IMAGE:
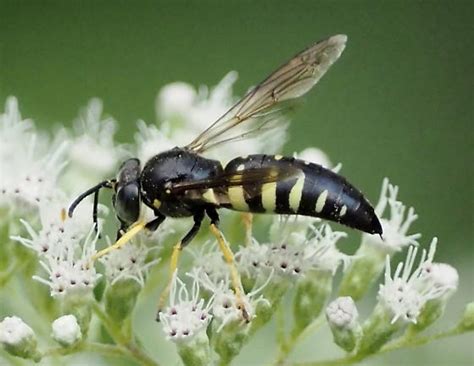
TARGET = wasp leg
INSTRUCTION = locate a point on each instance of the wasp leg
(229, 258)
(94, 211)
(122, 230)
(247, 219)
(124, 239)
(156, 222)
(198, 217)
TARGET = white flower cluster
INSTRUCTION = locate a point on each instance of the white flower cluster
(128, 262)
(406, 291)
(29, 167)
(71, 272)
(313, 249)
(92, 152)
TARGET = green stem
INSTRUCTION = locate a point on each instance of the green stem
(112, 328)
(280, 323)
(123, 341)
(287, 347)
(402, 342)
(411, 341)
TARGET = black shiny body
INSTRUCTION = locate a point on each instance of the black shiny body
(339, 200)
(164, 170)
(314, 191)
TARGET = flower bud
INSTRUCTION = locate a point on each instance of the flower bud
(18, 339)
(175, 100)
(80, 308)
(228, 340)
(377, 330)
(196, 352)
(467, 321)
(342, 317)
(366, 266)
(66, 330)
(312, 292)
(121, 297)
(444, 278)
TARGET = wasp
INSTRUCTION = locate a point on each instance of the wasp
(182, 182)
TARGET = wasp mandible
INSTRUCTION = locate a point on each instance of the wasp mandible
(183, 183)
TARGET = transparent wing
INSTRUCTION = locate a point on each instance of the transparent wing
(240, 178)
(261, 109)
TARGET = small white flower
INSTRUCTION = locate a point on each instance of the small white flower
(321, 250)
(287, 260)
(187, 314)
(14, 331)
(441, 276)
(226, 305)
(306, 249)
(150, 140)
(342, 312)
(57, 230)
(210, 261)
(128, 262)
(94, 149)
(252, 259)
(316, 156)
(15, 133)
(70, 270)
(32, 179)
(405, 293)
(175, 100)
(66, 330)
(395, 228)
(29, 163)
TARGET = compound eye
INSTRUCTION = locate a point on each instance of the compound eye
(127, 203)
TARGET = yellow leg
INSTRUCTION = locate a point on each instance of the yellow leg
(134, 230)
(234, 273)
(247, 218)
(173, 265)
(63, 215)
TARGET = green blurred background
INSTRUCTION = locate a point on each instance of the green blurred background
(398, 103)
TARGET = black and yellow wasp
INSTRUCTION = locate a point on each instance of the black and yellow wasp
(183, 183)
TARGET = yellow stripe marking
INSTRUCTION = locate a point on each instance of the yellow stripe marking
(269, 196)
(156, 203)
(278, 157)
(321, 201)
(237, 198)
(296, 193)
(210, 196)
(343, 211)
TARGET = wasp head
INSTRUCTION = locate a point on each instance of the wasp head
(126, 199)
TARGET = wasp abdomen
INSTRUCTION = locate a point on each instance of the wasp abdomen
(312, 191)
